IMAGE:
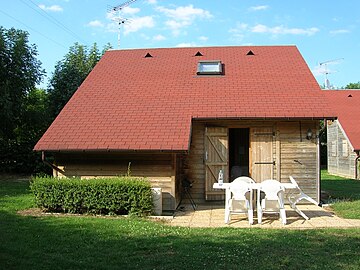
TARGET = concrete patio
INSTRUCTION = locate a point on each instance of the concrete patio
(207, 215)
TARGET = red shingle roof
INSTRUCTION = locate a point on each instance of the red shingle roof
(346, 105)
(130, 101)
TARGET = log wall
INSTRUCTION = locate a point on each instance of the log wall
(160, 169)
(293, 155)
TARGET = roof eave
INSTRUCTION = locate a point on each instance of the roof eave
(144, 151)
(282, 118)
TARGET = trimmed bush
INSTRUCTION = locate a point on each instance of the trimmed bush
(120, 195)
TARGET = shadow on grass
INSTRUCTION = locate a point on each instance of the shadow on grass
(342, 189)
(96, 243)
(93, 243)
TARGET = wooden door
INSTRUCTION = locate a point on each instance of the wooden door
(216, 159)
(261, 160)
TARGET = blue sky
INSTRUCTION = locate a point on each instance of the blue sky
(322, 30)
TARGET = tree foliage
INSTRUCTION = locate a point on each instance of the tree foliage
(23, 113)
(70, 72)
(20, 71)
(353, 85)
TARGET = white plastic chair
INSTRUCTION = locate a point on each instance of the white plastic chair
(238, 200)
(245, 179)
(296, 196)
(273, 201)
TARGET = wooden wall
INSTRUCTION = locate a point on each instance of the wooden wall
(194, 163)
(293, 154)
(159, 168)
(299, 157)
(341, 157)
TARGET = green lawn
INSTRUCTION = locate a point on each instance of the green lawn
(121, 243)
(344, 194)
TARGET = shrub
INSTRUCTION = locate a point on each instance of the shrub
(121, 195)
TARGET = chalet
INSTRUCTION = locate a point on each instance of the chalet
(343, 134)
(186, 113)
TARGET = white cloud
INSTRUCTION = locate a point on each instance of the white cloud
(339, 31)
(132, 24)
(152, 2)
(110, 15)
(175, 26)
(257, 8)
(238, 33)
(281, 30)
(187, 44)
(203, 38)
(54, 8)
(183, 16)
(240, 27)
(130, 10)
(318, 70)
(186, 13)
(112, 27)
(138, 23)
(95, 23)
(159, 38)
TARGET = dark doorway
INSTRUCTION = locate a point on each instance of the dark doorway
(238, 152)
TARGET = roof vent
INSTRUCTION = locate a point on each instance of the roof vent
(349, 95)
(198, 54)
(148, 55)
(250, 53)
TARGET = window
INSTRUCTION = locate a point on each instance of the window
(345, 149)
(213, 67)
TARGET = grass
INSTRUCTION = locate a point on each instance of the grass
(344, 195)
(121, 243)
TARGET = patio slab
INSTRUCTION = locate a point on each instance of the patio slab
(211, 216)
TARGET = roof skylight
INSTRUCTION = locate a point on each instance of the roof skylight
(212, 67)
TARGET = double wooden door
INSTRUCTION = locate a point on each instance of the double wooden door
(262, 162)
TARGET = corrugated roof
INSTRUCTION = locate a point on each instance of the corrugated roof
(346, 105)
(130, 101)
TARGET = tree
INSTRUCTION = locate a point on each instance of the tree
(353, 85)
(70, 72)
(20, 71)
(34, 122)
(23, 116)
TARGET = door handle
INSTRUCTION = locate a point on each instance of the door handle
(271, 162)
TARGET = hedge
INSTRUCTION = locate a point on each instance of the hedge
(120, 195)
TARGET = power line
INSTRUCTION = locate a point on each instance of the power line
(52, 20)
(50, 39)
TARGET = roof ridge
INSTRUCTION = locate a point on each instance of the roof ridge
(203, 47)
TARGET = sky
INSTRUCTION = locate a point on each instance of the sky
(323, 30)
